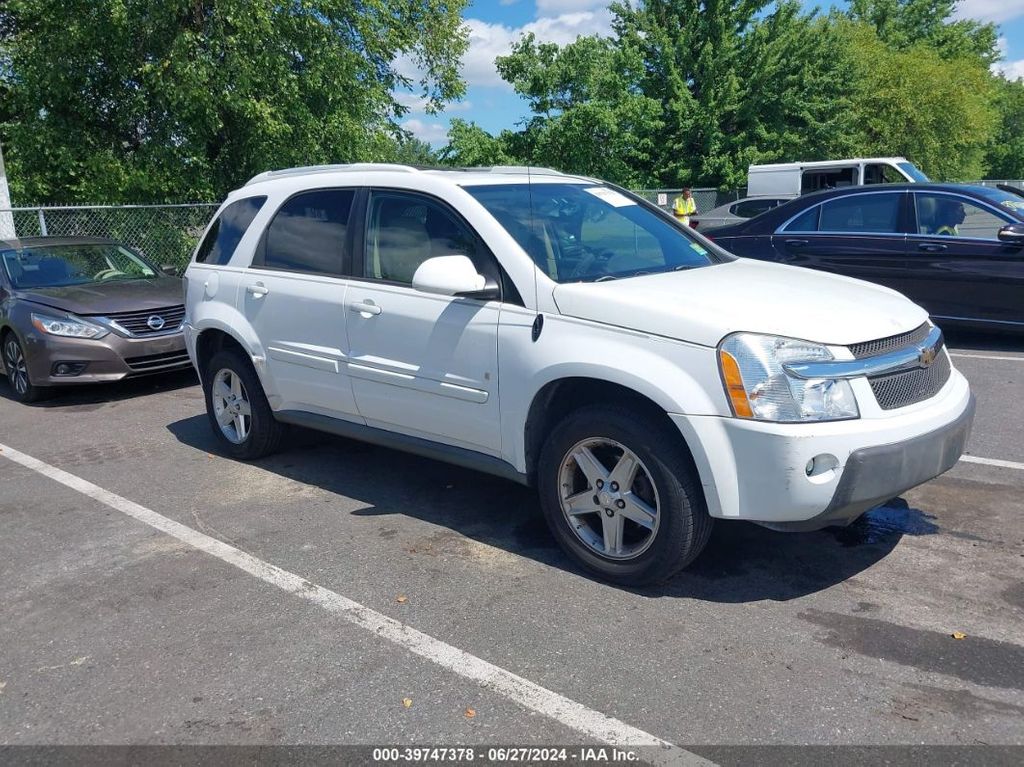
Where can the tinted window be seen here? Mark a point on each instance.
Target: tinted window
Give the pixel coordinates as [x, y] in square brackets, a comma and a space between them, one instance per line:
[584, 233]
[882, 174]
[806, 221]
[814, 180]
[914, 172]
[751, 208]
[945, 215]
[226, 232]
[862, 213]
[308, 232]
[405, 230]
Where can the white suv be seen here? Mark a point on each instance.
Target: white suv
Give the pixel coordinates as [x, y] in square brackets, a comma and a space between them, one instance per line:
[563, 333]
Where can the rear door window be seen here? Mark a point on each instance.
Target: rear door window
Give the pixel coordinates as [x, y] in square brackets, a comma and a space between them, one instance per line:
[309, 233]
[226, 231]
[862, 213]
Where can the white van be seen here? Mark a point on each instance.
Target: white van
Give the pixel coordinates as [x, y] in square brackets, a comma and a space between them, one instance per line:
[792, 179]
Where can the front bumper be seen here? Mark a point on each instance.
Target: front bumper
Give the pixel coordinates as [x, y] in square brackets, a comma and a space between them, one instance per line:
[758, 471]
[110, 358]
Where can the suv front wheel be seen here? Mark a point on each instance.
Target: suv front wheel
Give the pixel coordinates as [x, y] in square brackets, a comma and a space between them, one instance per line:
[239, 413]
[621, 496]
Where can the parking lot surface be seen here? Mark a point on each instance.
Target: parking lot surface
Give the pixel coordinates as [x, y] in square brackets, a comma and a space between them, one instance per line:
[114, 631]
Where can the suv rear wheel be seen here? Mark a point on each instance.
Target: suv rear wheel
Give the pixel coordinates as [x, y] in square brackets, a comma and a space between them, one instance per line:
[621, 496]
[239, 413]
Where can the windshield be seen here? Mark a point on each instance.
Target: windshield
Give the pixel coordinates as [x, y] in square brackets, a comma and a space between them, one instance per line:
[55, 266]
[915, 173]
[579, 233]
[1006, 200]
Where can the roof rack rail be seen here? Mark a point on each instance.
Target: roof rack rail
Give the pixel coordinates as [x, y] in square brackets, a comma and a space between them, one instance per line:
[525, 169]
[355, 167]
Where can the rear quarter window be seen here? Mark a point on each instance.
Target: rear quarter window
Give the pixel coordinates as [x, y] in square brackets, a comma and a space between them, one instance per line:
[226, 231]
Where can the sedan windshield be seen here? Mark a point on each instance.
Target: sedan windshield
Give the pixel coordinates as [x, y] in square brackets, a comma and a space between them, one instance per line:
[1008, 201]
[583, 233]
[55, 266]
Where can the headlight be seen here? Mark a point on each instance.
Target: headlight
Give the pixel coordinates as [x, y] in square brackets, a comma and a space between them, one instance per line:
[758, 386]
[67, 326]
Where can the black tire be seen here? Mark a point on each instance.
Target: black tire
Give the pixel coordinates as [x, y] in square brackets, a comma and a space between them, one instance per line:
[22, 388]
[684, 524]
[265, 432]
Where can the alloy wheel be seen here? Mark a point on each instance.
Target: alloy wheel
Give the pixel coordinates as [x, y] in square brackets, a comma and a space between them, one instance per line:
[608, 498]
[17, 370]
[231, 406]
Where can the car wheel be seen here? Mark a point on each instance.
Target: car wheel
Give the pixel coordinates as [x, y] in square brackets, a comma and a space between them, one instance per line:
[239, 413]
[621, 495]
[17, 372]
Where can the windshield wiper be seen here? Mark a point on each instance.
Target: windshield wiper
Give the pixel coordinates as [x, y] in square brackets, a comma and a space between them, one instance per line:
[606, 278]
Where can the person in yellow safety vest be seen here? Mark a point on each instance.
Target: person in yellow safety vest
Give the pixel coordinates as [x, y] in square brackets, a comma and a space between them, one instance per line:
[951, 215]
[684, 206]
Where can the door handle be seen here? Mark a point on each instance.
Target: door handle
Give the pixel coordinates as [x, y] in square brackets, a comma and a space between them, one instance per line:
[797, 243]
[258, 290]
[932, 247]
[367, 309]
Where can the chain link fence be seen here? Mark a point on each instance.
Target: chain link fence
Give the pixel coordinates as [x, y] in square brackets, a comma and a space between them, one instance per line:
[165, 234]
[706, 199]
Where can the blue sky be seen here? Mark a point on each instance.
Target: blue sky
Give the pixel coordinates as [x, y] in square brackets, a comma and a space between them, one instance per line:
[495, 24]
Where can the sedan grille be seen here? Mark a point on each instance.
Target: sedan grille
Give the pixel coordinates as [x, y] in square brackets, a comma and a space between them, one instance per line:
[890, 344]
[154, 362]
[911, 386]
[152, 322]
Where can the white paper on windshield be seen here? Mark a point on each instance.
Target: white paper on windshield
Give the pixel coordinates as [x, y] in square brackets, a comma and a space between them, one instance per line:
[610, 196]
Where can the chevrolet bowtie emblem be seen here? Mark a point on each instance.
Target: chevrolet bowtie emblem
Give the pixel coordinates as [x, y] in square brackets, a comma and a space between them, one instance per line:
[927, 356]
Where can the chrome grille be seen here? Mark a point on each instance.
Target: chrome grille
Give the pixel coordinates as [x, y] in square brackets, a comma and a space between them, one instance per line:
[136, 323]
[154, 362]
[911, 386]
[890, 344]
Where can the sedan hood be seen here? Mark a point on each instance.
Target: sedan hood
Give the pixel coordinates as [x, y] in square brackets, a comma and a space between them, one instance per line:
[109, 297]
[704, 305]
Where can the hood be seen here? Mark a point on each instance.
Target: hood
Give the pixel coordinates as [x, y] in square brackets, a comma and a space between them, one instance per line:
[109, 297]
[704, 305]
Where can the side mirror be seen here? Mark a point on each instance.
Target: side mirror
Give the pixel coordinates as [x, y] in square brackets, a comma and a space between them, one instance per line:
[452, 276]
[169, 269]
[1012, 234]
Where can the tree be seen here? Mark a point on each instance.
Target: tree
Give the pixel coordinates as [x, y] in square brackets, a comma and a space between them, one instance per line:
[912, 102]
[470, 145]
[735, 84]
[156, 100]
[902, 24]
[589, 116]
[1005, 156]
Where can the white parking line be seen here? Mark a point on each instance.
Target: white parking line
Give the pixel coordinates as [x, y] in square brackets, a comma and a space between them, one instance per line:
[993, 462]
[986, 357]
[532, 696]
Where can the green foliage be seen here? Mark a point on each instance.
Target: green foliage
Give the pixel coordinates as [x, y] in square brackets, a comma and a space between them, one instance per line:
[155, 100]
[469, 145]
[912, 102]
[1006, 149]
[903, 24]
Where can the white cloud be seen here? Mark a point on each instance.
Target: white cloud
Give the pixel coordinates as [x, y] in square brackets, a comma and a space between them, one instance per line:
[996, 11]
[1011, 70]
[488, 41]
[432, 133]
[416, 103]
[553, 7]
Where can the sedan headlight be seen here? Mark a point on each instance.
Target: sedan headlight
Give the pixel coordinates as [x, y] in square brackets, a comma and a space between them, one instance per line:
[758, 386]
[68, 326]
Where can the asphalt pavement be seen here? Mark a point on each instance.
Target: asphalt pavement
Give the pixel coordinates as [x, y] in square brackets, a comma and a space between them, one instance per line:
[113, 631]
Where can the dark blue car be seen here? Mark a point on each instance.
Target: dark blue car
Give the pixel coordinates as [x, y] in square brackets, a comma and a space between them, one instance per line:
[956, 250]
